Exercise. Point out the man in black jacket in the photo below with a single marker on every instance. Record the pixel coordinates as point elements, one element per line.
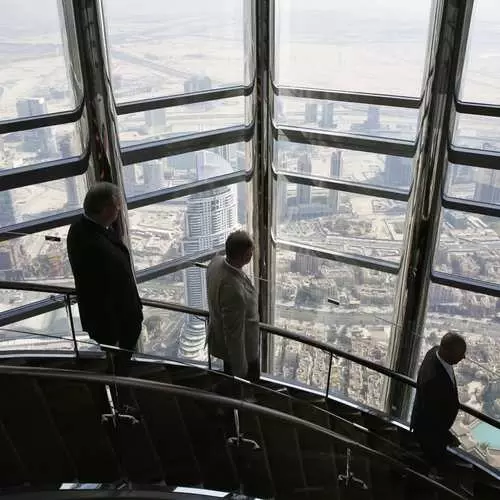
<point>109,304</point>
<point>436,402</point>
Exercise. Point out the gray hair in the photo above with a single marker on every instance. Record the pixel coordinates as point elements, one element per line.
<point>100,196</point>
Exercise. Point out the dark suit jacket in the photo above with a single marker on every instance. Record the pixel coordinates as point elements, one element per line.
<point>436,403</point>
<point>110,307</point>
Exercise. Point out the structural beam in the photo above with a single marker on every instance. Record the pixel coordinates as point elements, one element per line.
<point>444,67</point>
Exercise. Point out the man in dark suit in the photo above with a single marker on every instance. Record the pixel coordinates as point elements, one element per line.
<point>109,304</point>
<point>436,402</point>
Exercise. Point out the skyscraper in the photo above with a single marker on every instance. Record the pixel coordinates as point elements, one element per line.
<point>40,140</point>
<point>74,189</point>
<point>210,217</point>
<point>327,115</point>
<point>7,213</point>
<point>398,171</point>
<point>487,189</point>
<point>311,112</point>
<point>304,166</point>
<point>153,175</point>
<point>335,173</point>
<point>373,118</point>
<point>156,119</point>
<point>197,84</point>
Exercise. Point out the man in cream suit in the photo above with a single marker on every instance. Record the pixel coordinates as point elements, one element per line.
<point>233,327</point>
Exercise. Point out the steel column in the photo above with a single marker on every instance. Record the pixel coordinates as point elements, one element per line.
<point>263,174</point>
<point>446,57</point>
<point>85,18</point>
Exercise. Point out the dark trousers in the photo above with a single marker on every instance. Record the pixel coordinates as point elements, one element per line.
<point>253,373</point>
<point>433,446</point>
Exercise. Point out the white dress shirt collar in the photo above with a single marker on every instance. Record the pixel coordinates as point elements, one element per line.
<point>448,368</point>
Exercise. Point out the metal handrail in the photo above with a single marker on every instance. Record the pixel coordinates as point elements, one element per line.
<point>211,398</point>
<point>264,327</point>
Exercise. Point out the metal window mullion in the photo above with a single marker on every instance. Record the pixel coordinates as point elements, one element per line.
<point>467,284</point>
<point>436,125</point>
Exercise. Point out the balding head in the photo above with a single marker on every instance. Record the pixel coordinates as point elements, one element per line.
<point>239,248</point>
<point>452,348</point>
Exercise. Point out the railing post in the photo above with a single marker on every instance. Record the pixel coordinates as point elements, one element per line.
<point>329,375</point>
<point>72,324</point>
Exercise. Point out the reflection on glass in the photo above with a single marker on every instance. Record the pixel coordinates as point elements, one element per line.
<point>163,49</point>
<point>177,170</point>
<point>41,200</point>
<point>358,46</point>
<point>187,225</point>
<point>360,324</point>
<point>343,164</point>
<point>172,122</point>
<point>348,118</point>
<point>473,183</point>
<point>477,132</point>
<point>469,246</point>
<point>34,78</point>
<point>40,257</point>
<point>481,80</point>
<point>339,221</point>
<point>48,331</point>
<point>19,149</point>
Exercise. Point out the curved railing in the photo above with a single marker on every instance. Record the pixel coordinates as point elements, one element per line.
<point>222,401</point>
<point>68,294</point>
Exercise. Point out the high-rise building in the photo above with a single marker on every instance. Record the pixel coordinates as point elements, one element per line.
<point>327,115</point>
<point>7,213</point>
<point>487,189</point>
<point>306,264</point>
<point>398,171</point>
<point>152,172</point>
<point>335,173</point>
<point>210,217</point>
<point>74,189</point>
<point>373,118</point>
<point>197,84</point>
<point>242,189</point>
<point>156,119</point>
<point>311,112</point>
<point>39,140</point>
<point>304,166</point>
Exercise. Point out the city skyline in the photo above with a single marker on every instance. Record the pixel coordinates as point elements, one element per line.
<point>202,48</point>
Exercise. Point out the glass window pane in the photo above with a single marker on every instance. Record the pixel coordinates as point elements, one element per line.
<point>35,76</point>
<point>165,48</point>
<point>38,257</point>
<point>361,324</point>
<point>185,168</point>
<point>473,183</point>
<point>339,221</point>
<point>48,331</point>
<point>469,246</point>
<point>41,200</point>
<point>20,149</point>
<point>350,118</point>
<point>186,225</point>
<point>299,364</point>
<point>360,46</point>
<point>158,124</point>
<point>10,299</point>
<point>477,132</point>
<point>481,80</point>
<point>476,317</point>
<point>346,165</point>
<point>171,334</point>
